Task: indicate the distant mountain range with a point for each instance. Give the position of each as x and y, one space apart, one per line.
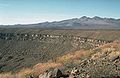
75 23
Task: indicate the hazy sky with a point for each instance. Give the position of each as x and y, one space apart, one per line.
34 11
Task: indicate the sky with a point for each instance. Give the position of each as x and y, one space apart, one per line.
36 11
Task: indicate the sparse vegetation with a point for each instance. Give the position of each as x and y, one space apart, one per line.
33 57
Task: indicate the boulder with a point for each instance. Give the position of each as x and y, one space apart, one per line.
113 58
46 75
74 73
56 73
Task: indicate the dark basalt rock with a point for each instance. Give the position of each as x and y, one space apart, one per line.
56 73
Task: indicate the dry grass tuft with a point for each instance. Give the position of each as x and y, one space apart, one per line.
72 56
24 73
7 75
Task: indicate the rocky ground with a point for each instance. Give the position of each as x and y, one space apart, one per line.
103 63
59 53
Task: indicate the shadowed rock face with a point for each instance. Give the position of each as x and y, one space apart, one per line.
55 73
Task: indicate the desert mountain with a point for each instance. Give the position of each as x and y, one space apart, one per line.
75 23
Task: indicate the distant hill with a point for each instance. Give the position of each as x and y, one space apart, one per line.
75 23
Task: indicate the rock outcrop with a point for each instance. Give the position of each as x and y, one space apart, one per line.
56 73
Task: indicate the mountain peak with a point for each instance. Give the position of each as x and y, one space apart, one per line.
97 18
84 17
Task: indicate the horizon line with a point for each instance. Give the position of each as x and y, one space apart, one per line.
61 20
